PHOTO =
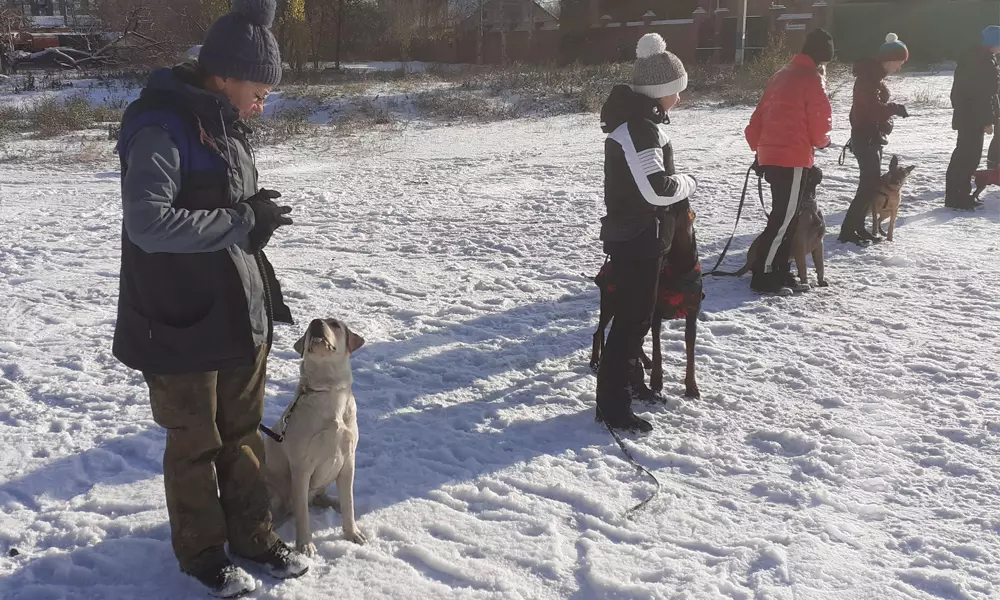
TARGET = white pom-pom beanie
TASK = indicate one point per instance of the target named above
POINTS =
(658, 73)
(893, 49)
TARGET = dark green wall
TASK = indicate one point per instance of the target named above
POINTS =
(933, 31)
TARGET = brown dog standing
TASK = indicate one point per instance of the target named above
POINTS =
(885, 204)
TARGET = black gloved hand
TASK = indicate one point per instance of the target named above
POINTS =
(268, 216)
(899, 110)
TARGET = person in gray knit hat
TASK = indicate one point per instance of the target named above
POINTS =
(198, 298)
(644, 197)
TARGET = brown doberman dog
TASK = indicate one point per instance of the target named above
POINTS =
(680, 292)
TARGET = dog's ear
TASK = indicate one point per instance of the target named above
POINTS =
(300, 346)
(909, 169)
(354, 341)
(894, 163)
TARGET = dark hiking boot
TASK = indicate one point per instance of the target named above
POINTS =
(224, 579)
(865, 235)
(627, 421)
(967, 203)
(794, 284)
(639, 391)
(281, 562)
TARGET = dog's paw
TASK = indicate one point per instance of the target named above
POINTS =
(823, 283)
(356, 536)
(306, 549)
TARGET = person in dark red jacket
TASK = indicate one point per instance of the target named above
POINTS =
(871, 123)
(792, 119)
(975, 96)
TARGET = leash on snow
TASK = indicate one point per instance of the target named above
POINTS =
(630, 513)
(739, 213)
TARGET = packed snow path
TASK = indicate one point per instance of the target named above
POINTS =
(846, 445)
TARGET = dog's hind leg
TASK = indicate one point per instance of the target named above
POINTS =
(656, 376)
(800, 263)
(690, 337)
(345, 491)
(300, 511)
(820, 267)
(323, 500)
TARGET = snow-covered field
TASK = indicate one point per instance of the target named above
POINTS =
(846, 445)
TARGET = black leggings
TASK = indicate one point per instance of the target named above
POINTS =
(635, 282)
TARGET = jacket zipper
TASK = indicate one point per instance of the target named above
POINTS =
(268, 306)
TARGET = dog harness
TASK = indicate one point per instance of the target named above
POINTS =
(678, 294)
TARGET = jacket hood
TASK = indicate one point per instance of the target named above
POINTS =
(869, 67)
(184, 81)
(625, 104)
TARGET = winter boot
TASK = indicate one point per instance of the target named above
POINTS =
(794, 284)
(626, 420)
(281, 562)
(224, 579)
(770, 284)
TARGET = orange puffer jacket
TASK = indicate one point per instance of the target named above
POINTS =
(793, 116)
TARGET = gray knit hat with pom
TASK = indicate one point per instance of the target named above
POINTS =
(240, 44)
(658, 73)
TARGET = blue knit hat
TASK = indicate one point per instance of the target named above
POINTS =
(893, 49)
(991, 36)
(240, 44)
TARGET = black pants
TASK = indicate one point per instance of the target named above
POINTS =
(870, 163)
(964, 164)
(789, 185)
(636, 281)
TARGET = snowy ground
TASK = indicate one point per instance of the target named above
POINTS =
(846, 445)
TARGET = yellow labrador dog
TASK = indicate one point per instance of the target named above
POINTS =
(885, 204)
(319, 435)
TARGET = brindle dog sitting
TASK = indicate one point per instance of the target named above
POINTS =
(679, 296)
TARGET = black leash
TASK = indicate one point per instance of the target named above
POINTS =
(630, 513)
(739, 213)
(843, 153)
(271, 434)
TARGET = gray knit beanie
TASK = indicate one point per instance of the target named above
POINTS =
(658, 73)
(240, 44)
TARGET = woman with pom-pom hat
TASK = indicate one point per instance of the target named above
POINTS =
(975, 97)
(871, 123)
(198, 297)
(643, 194)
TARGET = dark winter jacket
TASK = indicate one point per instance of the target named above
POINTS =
(872, 113)
(975, 92)
(191, 299)
(640, 183)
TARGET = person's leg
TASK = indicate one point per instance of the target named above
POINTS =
(962, 168)
(870, 166)
(185, 405)
(635, 283)
(243, 492)
(786, 187)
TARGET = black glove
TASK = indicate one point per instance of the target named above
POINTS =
(899, 110)
(268, 216)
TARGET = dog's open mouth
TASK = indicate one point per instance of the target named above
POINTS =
(321, 342)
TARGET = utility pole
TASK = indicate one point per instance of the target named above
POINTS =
(340, 22)
(741, 44)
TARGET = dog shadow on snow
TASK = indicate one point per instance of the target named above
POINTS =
(414, 440)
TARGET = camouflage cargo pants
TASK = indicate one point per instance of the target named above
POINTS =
(212, 462)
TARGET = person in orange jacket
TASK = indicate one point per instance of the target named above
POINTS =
(793, 118)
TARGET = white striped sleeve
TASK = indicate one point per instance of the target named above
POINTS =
(648, 165)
